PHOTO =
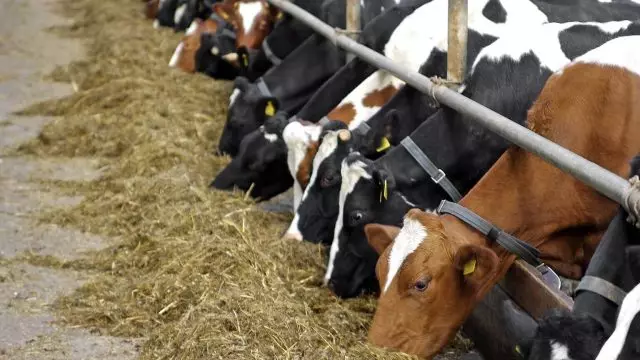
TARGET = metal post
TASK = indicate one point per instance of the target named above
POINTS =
(353, 21)
(457, 41)
(604, 181)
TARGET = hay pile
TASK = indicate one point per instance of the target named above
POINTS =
(198, 273)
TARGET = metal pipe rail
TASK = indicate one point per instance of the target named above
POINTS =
(602, 180)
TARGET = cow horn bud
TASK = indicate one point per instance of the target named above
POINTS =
(344, 135)
(231, 57)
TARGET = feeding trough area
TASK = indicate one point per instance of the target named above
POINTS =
(450, 170)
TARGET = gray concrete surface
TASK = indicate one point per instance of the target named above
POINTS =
(28, 328)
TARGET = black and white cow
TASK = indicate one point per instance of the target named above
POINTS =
(289, 80)
(316, 214)
(291, 32)
(284, 87)
(374, 33)
(179, 14)
(580, 334)
(315, 217)
(624, 343)
(506, 77)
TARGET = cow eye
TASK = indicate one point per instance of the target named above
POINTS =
(356, 217)
(329, 180)
(421, 285)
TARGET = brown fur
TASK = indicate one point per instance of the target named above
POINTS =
(191, 44)
(379, 97)
(344, 113)
(249, 38)
(151, 8)
(593, 111)
(304, 170)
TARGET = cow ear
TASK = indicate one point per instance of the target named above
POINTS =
(267, 107)
(385, 181)
(633, 259)
(476, 265)
(222, 9)
(380, 236)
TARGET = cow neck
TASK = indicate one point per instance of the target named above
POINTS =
(296, 78)
(518, 196)
(612, 246)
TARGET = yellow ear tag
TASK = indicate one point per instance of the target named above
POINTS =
(280, 15)
(269, 110)
(384, 193)
(470, 267)
(518, 349)
(224, 15)
(245, 59)
(384, 145)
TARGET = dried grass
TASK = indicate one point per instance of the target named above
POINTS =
(201, 274)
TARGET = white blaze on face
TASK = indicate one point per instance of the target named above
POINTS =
(192, 28)
(234, 96)
(249, 12)
(410, 237)
(156, 24)
(179, 13)
(351, 174)
(176, 55)
(328, 146)
(559, 351)
(298, 138)
(629, 309)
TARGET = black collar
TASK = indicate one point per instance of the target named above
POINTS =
(512, 244)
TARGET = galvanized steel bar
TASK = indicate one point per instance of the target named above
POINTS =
(457, 41)
(353, 21)
(604, 181)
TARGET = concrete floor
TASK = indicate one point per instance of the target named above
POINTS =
(27, 326)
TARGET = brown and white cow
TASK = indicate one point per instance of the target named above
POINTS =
(249, 22)
(438, 268)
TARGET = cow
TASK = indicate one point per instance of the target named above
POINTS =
(497, 13)
(231, 24)
(624, 343)
(234, 174)
(178, 14)
(316, 215)
(353, 110)
(287, 34)
(201, 47)
(435, 268)
(506, 77)
(241, 120)
(256, 102)
(582, 333)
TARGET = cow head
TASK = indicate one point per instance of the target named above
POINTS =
(209, 57)
(249, 108)
(302, 139)
(367, 194)
(430, 280)
(562, 335)
(316, 214)
(184, 57)
(261, 162)
(252, 20)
